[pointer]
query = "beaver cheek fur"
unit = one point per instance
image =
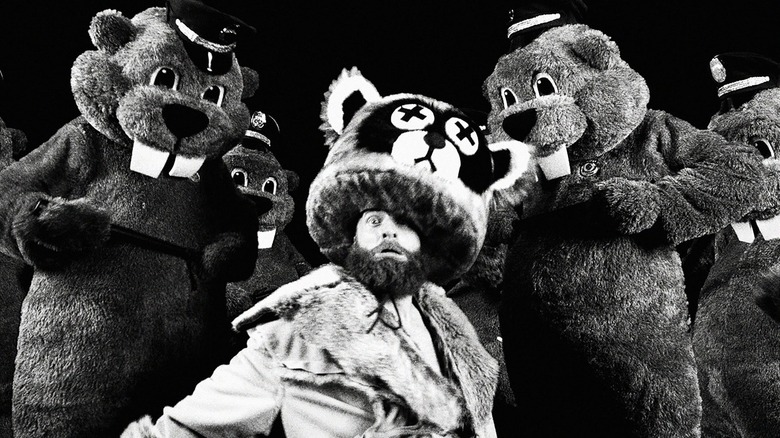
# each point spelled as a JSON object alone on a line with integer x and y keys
{"x": 549, "y": 123}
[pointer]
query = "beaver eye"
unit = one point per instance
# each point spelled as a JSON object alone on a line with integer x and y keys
{"x": 508, "y": 97}
{"x": 544, "y": 85}
{"x": 240, "y": 178}
{"x": 214, "y": 94}
{"x": 165, "y": 77}
{"x": 270, "y": 185}
{"x": 764, "y": 147}
{"x": 411, "y": 117}
{"x": 463, "y": 135}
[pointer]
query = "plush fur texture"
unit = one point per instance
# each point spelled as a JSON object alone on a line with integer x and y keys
{"x": 594, "y": 315}
{"x": 259, "y": 176}
{"x": 331, "y": 310}
{"x": 143, "y": 428}
{"x": 115, "y": 325}
{"x": 14, "y": 281}
{"x": 478, "y": 294}
{"x": 372, "y": 165}
{"x": 736, "y": 339}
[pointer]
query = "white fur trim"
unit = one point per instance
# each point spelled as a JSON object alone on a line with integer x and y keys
{"x": 143, "y": 428}
{"x": 347, "y": 83}
{"x": 520, "y": 157}
{"x": 325, "y": 275}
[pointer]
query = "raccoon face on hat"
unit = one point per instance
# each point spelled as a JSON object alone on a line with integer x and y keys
{"x": 418, "y": 131}
{"x": 421, "y": 160}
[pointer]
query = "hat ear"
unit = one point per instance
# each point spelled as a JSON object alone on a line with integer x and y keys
{"x": 346, "y": 95}
{"x": 510, "y": 161}
{"x": 596, "y": 49}
{"x": 110, "y": 30}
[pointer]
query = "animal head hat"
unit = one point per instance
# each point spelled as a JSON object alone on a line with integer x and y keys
{"x": 421, "y": 160}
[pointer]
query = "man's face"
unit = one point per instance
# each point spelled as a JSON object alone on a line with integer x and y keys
{"x": 386, "y": 256}
{"x": 378, "y": 233}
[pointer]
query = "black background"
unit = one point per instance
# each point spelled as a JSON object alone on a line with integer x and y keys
{"x": 443, "y": 49}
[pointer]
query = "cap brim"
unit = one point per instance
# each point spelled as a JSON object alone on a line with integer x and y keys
{"x": 214, "y": 63}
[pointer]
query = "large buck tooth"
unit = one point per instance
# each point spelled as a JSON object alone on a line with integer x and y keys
{"x": 770, "y": 228}
{"x": 147, "y": 160}
{"x": 555, "y": 165}
{"x": 744, "y": 231}
{"x": 185, "y": 167}
{"x": 265, "y": 239}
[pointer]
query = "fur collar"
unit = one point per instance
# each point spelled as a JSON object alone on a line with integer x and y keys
{"x": 331, "y": 310}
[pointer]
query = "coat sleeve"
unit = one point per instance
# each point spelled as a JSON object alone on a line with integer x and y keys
{"x": 241, "y": 399}
{"x": 713, "y": 182}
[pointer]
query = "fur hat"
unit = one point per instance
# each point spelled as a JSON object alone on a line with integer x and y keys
{"x": 421, "y": 160}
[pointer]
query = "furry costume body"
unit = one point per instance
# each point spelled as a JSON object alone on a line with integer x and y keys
{"x": 126, "y": 309}
{"x": 275, "y": 266}
{"x": 321, "y": 349}
{"x": 594, "y": 320}
{"x": 478, "y": 294}
{"x": 135, "y": 302}
{"x": 14, "y": 281}
{"x": 259, "y": 175}
{"x": 737, "y": 344}
{"x": 736, "y": 339}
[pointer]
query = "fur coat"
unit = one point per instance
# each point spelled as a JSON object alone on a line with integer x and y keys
{"x": 322, "y": 345}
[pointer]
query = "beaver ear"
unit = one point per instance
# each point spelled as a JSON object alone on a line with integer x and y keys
{"x": 251, "y": 80}
{"x": 110, "y": 30}
{"x": 292, "y": 180}
{"x": 510, "y": 161}
{"x": 346, "y": 95}
{"x": 596, "y": 49}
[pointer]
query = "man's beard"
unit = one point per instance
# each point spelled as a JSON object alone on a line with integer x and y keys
{"x": 387, "y": 277}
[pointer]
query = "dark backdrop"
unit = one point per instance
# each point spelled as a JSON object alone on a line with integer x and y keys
{"x": 444, "y": 49}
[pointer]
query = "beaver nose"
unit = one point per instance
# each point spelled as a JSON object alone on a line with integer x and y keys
{"x": 184, "y": 121}
{"x": 262, "y": 205}
{"x": 519, "y": 125}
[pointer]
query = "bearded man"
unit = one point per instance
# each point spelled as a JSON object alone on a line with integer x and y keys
{"x": 356, "y": 358}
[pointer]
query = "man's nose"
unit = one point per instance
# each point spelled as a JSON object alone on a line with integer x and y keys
{"x": 389, "y": 233}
